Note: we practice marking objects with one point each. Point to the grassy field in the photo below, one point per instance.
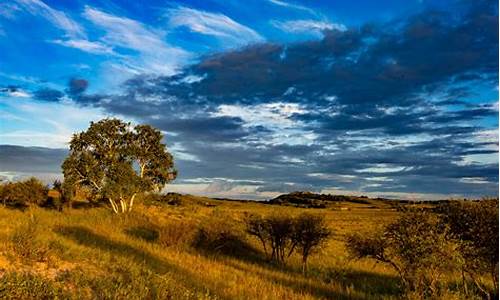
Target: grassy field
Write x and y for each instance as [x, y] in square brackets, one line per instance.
[93, 253]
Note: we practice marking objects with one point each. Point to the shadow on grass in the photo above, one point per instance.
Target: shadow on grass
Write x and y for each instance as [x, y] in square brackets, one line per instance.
[143, 232]
[298, 284]
[368, 282]
[86, 237]
[371, 285]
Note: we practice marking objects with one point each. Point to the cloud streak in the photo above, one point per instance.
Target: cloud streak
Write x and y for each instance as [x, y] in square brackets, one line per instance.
[213, 24]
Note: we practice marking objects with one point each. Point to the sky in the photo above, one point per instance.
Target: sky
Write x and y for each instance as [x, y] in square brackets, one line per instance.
[256, 98]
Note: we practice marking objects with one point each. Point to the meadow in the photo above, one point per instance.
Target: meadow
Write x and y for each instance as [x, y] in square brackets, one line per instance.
[91, 253]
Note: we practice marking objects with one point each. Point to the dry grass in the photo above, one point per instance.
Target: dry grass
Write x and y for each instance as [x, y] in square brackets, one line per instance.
[92, 253]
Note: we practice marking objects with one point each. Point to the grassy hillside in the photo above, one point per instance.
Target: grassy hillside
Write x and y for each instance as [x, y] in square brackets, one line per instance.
[93, 253]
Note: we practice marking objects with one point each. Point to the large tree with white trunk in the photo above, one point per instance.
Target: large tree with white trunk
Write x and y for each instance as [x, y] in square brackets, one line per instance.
[115, 162]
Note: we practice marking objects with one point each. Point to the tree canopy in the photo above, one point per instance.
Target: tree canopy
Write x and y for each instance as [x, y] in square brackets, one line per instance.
[115, 162]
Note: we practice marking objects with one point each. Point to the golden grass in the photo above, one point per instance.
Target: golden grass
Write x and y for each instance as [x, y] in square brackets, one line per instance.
[87, 246]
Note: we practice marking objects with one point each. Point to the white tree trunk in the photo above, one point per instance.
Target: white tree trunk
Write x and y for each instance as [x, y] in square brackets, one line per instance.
[113, 205]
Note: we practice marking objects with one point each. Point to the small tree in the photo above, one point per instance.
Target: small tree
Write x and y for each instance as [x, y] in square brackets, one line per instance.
[274, 232]
[116, 162]
[475, 225]
[308, 234]
[283, 235]
[415, 245]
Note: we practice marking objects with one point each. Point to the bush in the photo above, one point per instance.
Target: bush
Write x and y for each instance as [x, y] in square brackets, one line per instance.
[475, 225]
[24, 193]
[220, 235]
[174, 199]
[416, 246]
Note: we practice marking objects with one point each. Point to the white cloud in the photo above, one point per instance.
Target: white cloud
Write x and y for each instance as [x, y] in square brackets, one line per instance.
[86, 45]
[30, 123]
[292, 5]
[474, 180]
[17, 93]
[155, 55]
[307, 26]
[385, 168]
[274, 117]
[58, 18]
[215, 24]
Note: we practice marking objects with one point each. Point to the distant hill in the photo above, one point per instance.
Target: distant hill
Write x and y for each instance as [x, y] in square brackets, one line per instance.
[314, 200]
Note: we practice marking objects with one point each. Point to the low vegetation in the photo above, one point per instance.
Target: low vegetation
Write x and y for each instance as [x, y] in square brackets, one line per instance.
[204, 249]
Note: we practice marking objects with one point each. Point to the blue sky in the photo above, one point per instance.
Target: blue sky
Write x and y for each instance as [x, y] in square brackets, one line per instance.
[257, 98]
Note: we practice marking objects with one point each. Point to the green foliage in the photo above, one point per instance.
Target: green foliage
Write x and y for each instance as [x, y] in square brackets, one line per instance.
[275, 233]
[416, 245]
[23, 193]
[309, 232]
[116, 162]
[475, 225]
[283, 234]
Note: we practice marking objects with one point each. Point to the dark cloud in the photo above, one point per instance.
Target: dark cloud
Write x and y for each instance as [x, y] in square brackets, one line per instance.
[49, 95]
[77, 86]
[389, 107]
[19, 159]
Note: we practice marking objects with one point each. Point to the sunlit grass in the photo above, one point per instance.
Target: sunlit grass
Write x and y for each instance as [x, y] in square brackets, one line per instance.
[93, 253]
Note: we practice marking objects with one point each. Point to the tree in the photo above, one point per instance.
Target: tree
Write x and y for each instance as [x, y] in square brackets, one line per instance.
[475, 225]
[116, 162]
[308, 234]
[274, 232]
[416, 246]
[284, 234]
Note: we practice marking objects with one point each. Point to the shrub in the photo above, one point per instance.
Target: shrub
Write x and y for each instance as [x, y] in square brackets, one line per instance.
[23, 193]
[475, 225]
[220, 235]
[416, 246]
[174, 199]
